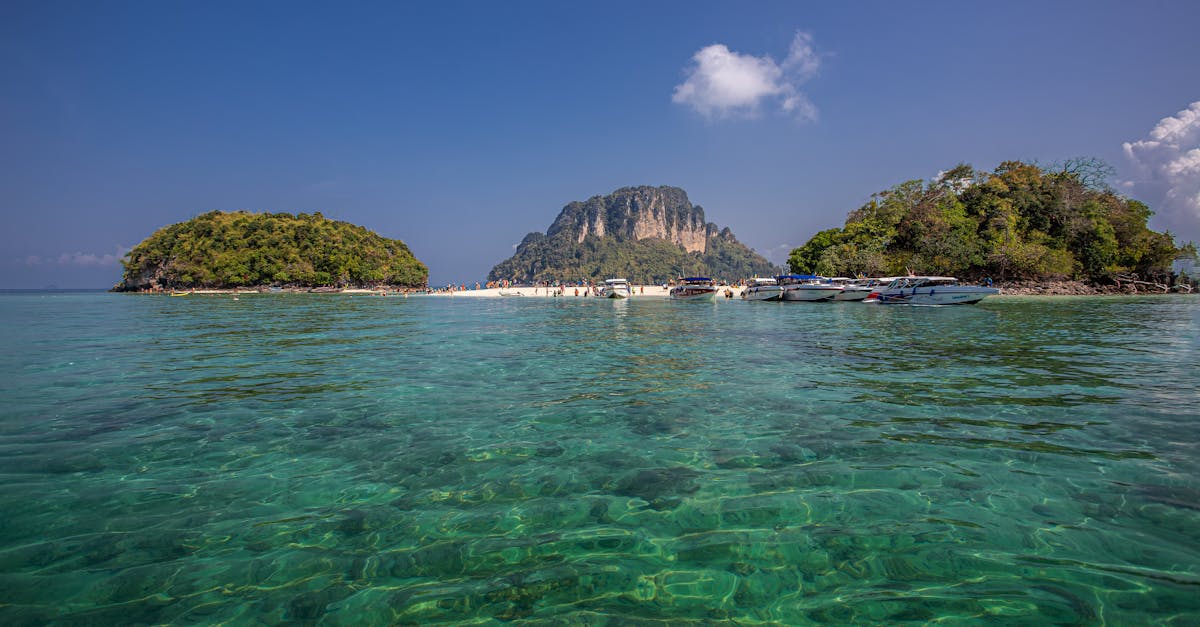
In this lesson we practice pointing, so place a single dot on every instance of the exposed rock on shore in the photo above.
(1074, 288)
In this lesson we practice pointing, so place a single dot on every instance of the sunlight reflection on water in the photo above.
(293, 458)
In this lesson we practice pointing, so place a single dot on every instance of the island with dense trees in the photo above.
(240, 249)
(1021, 222)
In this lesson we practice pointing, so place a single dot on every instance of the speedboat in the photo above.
(854, 289)
(930, 290)
(616, 288)
(807, 287)
(759, 288)
(696, 288)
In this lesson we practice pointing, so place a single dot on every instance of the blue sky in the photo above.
(459, 127)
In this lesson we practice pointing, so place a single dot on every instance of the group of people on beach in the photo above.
(588, 290)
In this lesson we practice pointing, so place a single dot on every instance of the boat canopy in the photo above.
(696, 278)
(939, 279)
(801, 277)
(610, 281)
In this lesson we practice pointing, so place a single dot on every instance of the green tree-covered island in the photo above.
(239, 249)
(1021, 222)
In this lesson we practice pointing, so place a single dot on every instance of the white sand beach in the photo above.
(639, 291)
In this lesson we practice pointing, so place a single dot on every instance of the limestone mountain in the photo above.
(644, 234)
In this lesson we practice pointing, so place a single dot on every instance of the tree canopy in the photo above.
(1021, 221)
(235, 249)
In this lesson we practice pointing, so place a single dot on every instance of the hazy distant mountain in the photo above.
(644, 234)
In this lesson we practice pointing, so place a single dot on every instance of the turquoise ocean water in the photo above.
(336, 460)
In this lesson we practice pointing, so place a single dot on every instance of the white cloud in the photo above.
(1167, 163)
(78, 259)
(722, 83)
(778, 254)
(87, 259)
(802, 60)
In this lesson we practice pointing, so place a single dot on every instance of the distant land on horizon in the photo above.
(50, 289)
(1020, 222)
(644, 234)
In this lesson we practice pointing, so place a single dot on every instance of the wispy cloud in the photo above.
(1167, 163)
(722, 83)
(778, 254)
(77, 259)
(87, 259)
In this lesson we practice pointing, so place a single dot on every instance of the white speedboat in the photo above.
(807, 287)
(854, 289)
(616, 288)
(696, 288)
(759, 288)
(930, 290)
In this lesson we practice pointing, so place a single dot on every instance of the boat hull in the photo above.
(810, 293)
(853, 294)
(769, 293)
(959, 295)
(693, 294)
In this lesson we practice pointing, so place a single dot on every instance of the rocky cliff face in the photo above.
(636, 213)
(646, 234)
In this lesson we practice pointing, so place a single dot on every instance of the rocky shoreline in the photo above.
(1079, 288)
(265, 289)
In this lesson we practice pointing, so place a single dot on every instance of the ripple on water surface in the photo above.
(360, 460)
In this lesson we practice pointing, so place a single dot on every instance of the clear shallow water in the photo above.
(337, 460)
